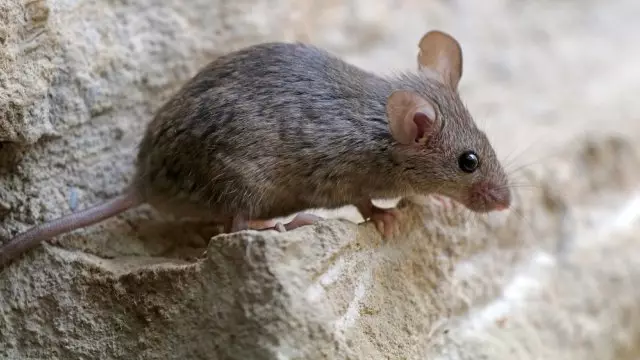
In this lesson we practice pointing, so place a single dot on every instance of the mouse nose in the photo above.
(502, 199)
(487, 196)
(501, 206)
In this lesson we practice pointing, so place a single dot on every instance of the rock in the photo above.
(336, 290)
(254, 295)
(553, 278)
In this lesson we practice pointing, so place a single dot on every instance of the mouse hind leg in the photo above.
(301, 219)
(240, 222)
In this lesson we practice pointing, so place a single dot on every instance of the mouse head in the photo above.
(439, 145)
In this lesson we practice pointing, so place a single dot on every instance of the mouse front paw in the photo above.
(384, 219)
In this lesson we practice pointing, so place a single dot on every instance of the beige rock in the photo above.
(552, 279)
(423, 295)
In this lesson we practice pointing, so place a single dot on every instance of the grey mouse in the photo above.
(277, 128)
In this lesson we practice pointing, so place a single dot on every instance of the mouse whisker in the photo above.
(519, 186)
(528, 223)
(507, 160)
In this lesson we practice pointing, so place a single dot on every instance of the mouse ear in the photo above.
(412, 118)
(441, 53)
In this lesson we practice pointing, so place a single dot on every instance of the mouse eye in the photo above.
(468, 161)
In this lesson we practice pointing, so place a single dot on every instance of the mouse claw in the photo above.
(280, 227)
(380, 227)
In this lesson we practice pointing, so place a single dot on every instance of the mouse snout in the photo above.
(486, 197)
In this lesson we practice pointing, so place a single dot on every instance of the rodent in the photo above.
(278, 128)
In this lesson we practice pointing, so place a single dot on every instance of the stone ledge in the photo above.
(334, 290)
(253, 294)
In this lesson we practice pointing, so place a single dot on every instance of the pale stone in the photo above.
(553, 278)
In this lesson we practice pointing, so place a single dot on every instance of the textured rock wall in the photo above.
(550, 279)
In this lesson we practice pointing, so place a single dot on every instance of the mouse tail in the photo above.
(32, 237)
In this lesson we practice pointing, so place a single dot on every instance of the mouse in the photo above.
(279, 128)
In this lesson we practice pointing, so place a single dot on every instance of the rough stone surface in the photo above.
(553, 85)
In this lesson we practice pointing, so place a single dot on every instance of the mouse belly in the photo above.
(261, 207)
(256, 211)
(234, 221)
(220, 188)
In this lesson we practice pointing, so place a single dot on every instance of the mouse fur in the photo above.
(279, 128)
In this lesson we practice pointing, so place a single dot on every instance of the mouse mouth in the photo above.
(486, 197)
